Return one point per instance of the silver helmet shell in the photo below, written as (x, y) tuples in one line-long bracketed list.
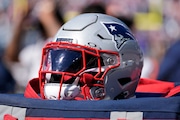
[(104, 32)]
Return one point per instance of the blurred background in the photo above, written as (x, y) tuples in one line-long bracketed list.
[(23, 23)]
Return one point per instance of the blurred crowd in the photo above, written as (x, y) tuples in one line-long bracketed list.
[(27, 25)]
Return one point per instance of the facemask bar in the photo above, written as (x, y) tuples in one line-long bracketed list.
[(109, 59)]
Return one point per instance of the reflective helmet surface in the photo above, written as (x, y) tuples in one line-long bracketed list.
[(92, 57)]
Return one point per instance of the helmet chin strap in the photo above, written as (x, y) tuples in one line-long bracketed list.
[(68, 91)]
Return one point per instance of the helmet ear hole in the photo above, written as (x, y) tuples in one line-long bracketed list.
[(124, 81)]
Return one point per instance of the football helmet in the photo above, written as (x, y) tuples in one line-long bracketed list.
[(92, 57)]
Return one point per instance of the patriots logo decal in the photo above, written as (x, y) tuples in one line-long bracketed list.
[(119, 33)]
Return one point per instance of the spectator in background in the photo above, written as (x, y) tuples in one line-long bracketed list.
[(170, 65), (7, 82), (23, 60)]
